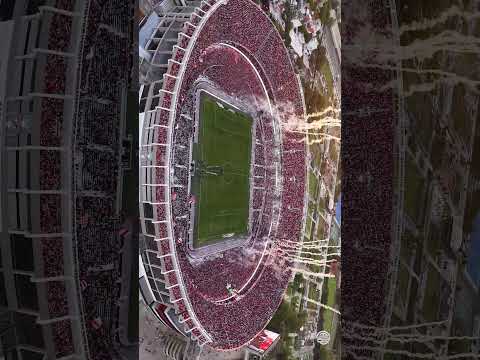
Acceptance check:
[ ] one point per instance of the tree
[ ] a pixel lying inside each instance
(302, 317)
(325, 13)
(297, 281)
(285, 352)
(294, 302)
(287, 319)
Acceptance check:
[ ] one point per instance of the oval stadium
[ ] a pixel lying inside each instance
(222, 179)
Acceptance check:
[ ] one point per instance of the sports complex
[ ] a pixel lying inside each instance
(223, 181)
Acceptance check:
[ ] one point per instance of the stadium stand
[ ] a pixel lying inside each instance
(369, 138)
(218, 49)
(73, 287)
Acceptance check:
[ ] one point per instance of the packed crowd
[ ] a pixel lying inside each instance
(233, 75)
(52, 253)
(99, 170)
(234, 270)
(108, 65)
(55, 74)
(57, 299)
(100, 124)
(49, 171)
(367, 206)
(100, 306)
(60, 31)
(105, 57)
(62, 335)
(51, 123)
(50, 213)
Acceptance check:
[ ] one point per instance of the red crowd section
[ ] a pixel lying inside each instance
(105, 61)
(369, 108)
(237, 48)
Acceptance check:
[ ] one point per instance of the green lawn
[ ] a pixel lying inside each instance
(414, 191)
(312, 206)
(222, 186)
(312, 295)
(461, 118)
(312, 184)
(408, 242)
(438, 148)
(431, 301)
(434, 242)
(402, 283)
(327, 73)
(321, 229)
(308, 229)
(332, 288)
(327, 320)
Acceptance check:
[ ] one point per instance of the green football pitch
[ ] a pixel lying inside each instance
(221, 181)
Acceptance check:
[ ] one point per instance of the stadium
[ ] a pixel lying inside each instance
(62, 143)
(222, 180)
